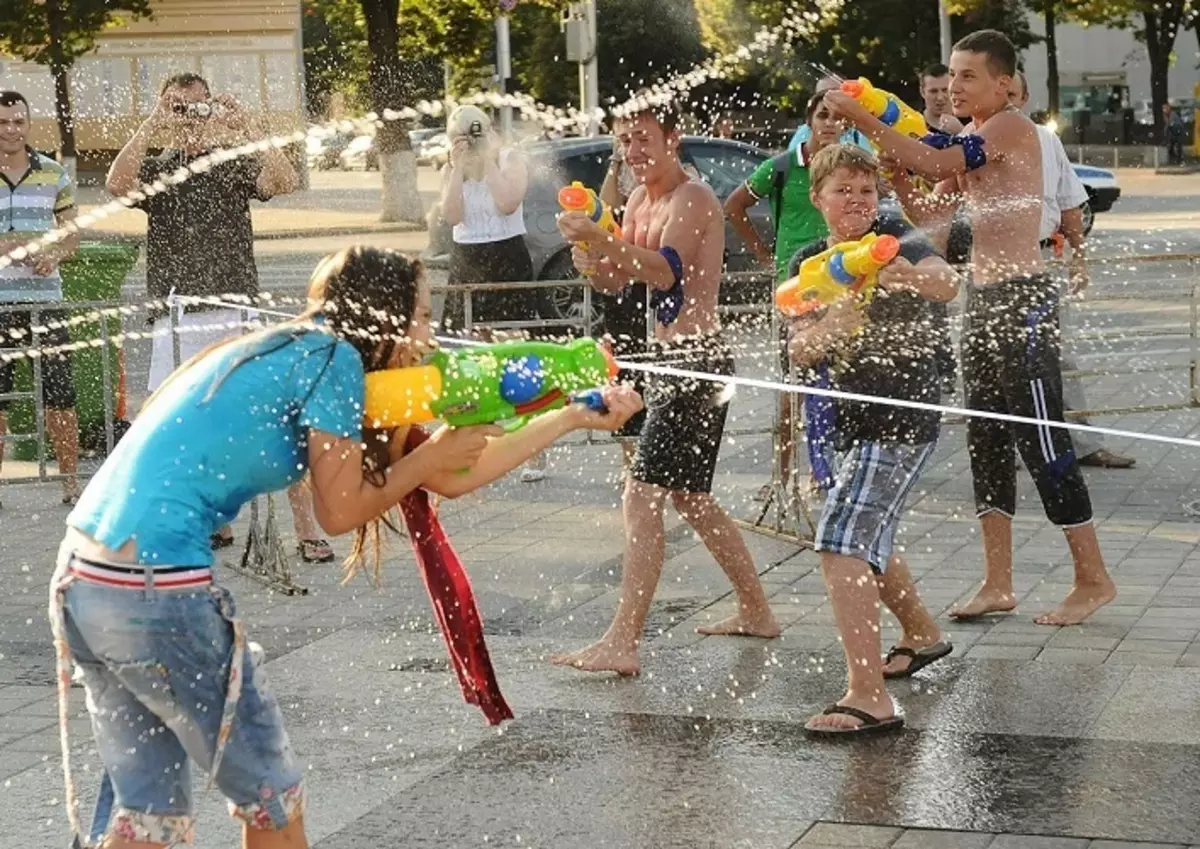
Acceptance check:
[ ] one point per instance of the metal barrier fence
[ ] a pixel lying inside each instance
(101, 313)
(264, 558)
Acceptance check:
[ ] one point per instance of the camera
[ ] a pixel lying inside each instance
(199, 110)
(475, 133)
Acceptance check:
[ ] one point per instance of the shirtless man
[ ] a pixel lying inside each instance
(1011, 347)
(675, 234)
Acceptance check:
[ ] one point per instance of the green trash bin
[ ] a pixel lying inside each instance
(95, 273)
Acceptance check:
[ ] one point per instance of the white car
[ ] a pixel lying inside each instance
(360, 154)
(434, 151)
(1103, 191)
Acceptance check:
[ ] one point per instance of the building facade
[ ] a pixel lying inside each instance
(1103, 59)
(251, 49)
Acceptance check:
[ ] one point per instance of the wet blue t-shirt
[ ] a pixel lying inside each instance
(197, 454)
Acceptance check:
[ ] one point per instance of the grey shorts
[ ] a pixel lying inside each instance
(863, 508)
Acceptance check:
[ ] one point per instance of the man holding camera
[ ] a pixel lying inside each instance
(199, 240)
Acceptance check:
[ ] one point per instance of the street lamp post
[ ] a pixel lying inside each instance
(504, 64)
(944, 30)
(579, 26)
(503, 72)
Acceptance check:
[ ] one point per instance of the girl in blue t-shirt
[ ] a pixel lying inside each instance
(162, 656)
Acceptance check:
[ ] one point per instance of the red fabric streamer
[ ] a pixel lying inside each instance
(450, 592)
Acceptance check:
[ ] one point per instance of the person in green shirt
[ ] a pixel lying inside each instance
(784, 183)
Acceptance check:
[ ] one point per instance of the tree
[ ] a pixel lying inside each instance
(462, 32)
(887, 41)
(55, 33)
(1052, 13)
(638, 42)
(1160, 27)
(335, 53)
(1156, 24)
(387, 91)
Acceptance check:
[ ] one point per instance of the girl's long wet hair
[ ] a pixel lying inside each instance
(367, 297)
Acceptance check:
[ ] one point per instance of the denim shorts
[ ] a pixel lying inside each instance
(872, 482)
(155, 663)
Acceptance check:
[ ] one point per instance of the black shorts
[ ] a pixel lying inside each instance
(625, 324)
(685, 417)
(58, 384)
(505, 261)
(635, 349)
(1011, 365)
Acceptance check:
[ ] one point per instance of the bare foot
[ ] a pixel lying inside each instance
(1080, 603)
(986, 601)
(743, 626)
(600, 657)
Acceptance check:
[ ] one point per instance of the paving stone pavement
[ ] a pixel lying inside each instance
(1026, 737)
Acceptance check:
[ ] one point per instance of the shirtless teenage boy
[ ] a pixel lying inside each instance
(675, 234)
(1011, 348)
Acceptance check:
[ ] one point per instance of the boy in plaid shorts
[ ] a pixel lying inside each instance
(885, 348)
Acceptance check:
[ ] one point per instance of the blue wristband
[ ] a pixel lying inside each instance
(668, 303)
(972, 146)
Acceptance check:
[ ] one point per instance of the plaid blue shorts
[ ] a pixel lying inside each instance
(862, 509)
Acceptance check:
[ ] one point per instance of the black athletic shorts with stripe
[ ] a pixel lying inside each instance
(1010, 359)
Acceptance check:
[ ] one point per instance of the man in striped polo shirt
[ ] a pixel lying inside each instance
(36, 195)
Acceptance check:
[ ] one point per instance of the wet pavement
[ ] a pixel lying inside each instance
(1026, 738)
(1081, 734)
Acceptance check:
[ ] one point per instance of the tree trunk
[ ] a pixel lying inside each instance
(60, 69)
(1051, 56)
(400, 200)
(1162, 26)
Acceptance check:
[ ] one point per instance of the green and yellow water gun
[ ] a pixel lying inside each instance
(507, 384)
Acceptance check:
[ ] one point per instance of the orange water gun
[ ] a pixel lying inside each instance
(848, 269)
(579, 198)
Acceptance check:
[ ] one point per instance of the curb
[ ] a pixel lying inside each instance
(91, 234)
(317, 232)
(1176, 170)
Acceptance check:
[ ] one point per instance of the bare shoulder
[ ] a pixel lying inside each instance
(636, 200)
(694, 197)
(1009, 124)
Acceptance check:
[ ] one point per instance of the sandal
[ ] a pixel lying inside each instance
(919, 659)
(219, 541)
(315, 551)
(870, 725)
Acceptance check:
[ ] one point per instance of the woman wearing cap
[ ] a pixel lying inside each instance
(483, 191)
(483, 194)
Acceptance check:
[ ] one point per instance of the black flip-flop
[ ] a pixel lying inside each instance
(920, 659)
(870, 725)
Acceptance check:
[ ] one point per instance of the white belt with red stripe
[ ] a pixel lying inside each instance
(136, 577)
